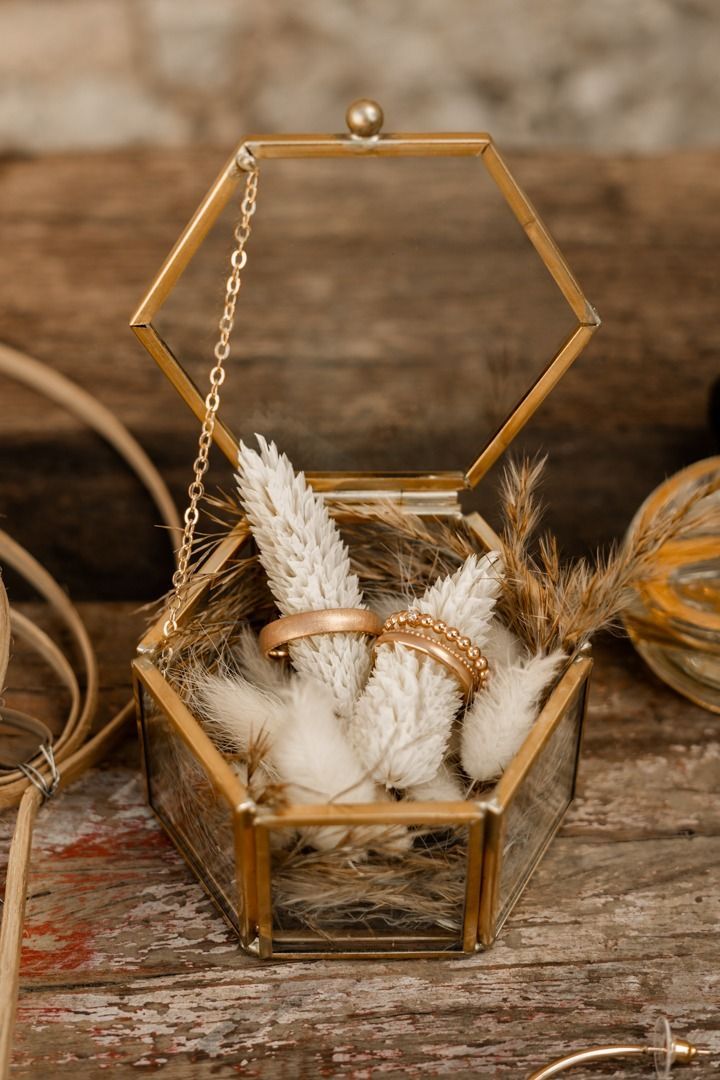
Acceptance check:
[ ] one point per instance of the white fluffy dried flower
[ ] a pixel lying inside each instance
(445, 786)
(500, 718)
(307, 566)
(255, 702)
(403, 720)
(304, 744)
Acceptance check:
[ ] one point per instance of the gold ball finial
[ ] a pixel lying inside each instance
(364, 118)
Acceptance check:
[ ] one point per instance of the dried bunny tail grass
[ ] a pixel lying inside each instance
(500, 718)
(444, 786)
(247, 657)
(501, 645)
(314, 755)
(318, 765)
(306, 757)
(236, 713)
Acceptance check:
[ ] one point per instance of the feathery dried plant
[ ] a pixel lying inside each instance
(550, 604)
(307, 566)
(402, 722)
(547, 603)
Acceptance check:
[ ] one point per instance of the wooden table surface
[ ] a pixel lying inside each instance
(127, 966)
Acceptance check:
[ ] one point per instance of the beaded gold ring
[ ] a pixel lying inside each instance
(277, 635)
(435, 638)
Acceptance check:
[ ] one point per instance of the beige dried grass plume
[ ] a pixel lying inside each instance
(551, 604)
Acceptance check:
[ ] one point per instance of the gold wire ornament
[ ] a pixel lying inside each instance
(495, 867)
(665, 1051)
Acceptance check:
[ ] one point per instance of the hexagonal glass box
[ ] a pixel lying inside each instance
(474, 856)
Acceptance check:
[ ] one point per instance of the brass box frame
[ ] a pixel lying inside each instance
(479, 146)
(487, 820)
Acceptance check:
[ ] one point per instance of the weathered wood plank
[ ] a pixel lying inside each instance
(83, 236)
(127, 965)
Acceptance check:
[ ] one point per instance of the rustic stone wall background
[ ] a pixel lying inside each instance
(82, 74)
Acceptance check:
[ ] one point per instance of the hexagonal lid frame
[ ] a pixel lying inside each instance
(391, 145)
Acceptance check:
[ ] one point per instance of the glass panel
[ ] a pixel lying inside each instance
(378, 889)
(198, 820)
(377, 328)
(539, 804)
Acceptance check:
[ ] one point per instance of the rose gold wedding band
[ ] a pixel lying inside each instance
(435, 650)
(278, 634)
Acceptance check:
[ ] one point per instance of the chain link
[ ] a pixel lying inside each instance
(196, 490)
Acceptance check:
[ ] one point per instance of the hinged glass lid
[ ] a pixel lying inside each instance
(395, 329)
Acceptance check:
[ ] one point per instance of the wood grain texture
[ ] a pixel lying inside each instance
(127, 965)
(84, 235)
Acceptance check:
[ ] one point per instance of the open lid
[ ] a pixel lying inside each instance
(365, 142)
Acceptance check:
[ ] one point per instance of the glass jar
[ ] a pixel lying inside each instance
(674, 622)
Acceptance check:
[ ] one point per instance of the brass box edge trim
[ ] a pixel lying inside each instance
(500, 918)
(379, 954)
(473, 883)
(577, 671)
(492, 862)
(417, 813)
(570, 349)
(201, 582)
(176, 712)
(538, 235)
(386, 144)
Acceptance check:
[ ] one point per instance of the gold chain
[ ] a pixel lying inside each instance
(196, 490)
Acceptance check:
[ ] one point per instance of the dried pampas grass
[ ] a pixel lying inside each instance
(551, 604)
(422, 890)
(546, 603)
